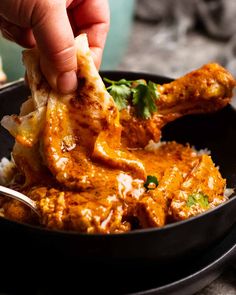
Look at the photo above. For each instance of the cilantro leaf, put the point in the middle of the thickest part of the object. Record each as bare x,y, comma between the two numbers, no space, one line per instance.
120,82
120,94
144,97
154,95
151,182
120,91
198,199
139,93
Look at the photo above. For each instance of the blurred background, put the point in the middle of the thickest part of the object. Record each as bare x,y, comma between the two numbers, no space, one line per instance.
172,37
168,37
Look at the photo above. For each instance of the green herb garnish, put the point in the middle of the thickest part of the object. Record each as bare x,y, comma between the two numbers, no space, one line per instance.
198,199
120,91
142,95
151,182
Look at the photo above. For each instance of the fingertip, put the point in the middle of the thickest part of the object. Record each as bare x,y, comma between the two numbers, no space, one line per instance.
96,53
67,82
62,79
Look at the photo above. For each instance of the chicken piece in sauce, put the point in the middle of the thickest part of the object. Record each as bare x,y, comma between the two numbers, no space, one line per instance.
205,90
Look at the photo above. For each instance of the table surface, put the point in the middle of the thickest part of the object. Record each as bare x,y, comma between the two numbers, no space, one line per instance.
155,50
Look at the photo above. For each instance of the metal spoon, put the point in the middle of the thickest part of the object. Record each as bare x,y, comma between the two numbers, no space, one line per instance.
20,197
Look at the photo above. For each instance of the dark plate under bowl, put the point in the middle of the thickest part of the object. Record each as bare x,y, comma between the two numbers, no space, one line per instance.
174,242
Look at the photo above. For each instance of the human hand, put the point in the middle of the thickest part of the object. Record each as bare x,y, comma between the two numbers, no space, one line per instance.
52,25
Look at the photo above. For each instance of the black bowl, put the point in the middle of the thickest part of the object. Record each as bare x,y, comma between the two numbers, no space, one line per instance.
173,242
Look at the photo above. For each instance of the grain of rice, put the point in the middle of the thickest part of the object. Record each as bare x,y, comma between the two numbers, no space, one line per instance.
7,171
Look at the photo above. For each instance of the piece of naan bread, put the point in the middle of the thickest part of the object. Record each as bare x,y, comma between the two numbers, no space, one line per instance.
71,135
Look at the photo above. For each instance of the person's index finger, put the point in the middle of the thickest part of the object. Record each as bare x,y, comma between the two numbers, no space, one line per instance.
55,40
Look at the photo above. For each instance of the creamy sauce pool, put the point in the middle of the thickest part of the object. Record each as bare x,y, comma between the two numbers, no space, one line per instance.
117,202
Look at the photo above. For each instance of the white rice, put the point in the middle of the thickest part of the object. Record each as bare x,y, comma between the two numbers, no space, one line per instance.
228,192
7,171
202,152
153,146
1,212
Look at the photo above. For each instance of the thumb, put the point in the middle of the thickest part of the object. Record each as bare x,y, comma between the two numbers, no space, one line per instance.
55,40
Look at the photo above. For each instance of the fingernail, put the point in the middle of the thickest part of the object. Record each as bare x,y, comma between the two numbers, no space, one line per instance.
67,82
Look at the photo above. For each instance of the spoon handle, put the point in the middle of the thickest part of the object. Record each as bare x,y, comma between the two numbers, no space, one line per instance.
20,197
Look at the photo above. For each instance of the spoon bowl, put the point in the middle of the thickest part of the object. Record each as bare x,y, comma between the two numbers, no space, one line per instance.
19,197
